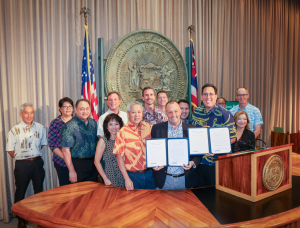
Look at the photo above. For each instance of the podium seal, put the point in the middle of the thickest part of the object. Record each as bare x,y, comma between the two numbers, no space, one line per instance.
273,173
145,58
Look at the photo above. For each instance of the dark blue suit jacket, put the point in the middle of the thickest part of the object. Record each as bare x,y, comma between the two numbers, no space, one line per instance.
161,131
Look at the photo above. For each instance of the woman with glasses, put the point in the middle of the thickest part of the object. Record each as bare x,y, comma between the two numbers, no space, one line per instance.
65,106
245,138
111,173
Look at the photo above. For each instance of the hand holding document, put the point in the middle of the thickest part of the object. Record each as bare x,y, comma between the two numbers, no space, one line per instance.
166,152
220,140
209,140
198,139
178,152
156,153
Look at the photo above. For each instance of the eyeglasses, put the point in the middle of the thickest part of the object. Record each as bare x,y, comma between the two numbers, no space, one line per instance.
208,94
67,107
242,95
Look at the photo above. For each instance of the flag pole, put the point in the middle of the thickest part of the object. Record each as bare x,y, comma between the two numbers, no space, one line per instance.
193,84
88,77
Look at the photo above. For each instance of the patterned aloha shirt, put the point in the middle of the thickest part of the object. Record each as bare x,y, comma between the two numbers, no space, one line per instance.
216,117
253,114
82,139
130,144
26,141
54,139
158,116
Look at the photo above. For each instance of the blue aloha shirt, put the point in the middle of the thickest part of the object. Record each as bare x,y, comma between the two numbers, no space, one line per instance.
216,117
82,139
253,114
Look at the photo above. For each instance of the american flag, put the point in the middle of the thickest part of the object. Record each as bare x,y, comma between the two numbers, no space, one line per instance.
194,82
88,90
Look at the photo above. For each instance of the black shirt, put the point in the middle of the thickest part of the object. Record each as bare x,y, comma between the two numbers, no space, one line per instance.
246,137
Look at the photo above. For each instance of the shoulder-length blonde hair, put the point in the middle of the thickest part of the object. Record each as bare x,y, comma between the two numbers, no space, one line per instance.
236,116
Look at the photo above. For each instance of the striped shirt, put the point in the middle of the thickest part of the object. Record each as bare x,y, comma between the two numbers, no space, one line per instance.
130,144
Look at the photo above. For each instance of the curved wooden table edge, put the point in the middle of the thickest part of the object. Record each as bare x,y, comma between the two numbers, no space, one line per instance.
279,220
42,220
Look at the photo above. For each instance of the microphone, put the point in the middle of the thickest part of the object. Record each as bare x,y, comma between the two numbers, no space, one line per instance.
254,140
243,144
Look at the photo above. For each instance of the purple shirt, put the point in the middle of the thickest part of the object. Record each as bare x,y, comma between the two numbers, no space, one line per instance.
54,139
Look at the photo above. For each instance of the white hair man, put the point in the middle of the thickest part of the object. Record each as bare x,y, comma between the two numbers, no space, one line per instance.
24,143
130,148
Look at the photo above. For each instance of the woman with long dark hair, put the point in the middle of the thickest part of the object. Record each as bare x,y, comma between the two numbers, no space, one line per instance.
111,173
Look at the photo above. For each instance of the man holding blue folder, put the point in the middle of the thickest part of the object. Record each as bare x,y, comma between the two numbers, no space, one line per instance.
173,177
211,115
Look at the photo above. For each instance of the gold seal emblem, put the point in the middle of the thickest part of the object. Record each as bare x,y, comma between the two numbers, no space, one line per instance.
145,58
273,172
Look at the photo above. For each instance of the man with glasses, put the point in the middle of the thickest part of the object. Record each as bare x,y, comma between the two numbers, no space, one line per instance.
253,112
211,114
79,141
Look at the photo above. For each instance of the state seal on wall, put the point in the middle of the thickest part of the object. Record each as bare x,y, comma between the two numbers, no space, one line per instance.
145,58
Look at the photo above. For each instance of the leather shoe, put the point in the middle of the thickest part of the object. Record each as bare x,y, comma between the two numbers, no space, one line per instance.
21,223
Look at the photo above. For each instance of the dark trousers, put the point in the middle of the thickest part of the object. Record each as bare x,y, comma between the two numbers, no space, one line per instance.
206,175
26,171
142,180
63,174
85,169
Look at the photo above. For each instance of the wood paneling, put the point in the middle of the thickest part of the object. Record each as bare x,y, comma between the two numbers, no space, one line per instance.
261,160
278,138
295,139
237,168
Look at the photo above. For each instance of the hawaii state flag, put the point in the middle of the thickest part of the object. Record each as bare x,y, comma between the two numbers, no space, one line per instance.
194,81
88,89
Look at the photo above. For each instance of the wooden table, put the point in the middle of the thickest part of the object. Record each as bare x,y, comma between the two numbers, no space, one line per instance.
90,204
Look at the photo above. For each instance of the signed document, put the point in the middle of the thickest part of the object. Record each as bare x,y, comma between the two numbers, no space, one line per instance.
198,140
178,152
219,140
156,153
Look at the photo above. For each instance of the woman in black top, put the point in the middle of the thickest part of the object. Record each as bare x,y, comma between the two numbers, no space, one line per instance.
244,135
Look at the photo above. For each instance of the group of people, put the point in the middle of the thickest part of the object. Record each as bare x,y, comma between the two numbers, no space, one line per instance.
115,147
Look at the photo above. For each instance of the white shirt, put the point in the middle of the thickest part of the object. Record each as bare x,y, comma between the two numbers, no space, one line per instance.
122,114
26,141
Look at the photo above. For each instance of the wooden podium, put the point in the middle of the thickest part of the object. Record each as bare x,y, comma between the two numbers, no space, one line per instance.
244,174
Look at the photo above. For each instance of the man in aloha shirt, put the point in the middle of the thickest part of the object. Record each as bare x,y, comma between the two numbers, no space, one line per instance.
130,149
211,115
79,141
256,121
24,143
152,114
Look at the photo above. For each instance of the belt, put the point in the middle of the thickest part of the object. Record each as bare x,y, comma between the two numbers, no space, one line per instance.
180,175
31,159
138,171
91,158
